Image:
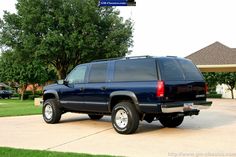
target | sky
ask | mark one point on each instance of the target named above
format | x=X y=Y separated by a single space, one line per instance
x=175 y=27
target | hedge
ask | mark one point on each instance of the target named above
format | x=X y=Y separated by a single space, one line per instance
x=213 y=95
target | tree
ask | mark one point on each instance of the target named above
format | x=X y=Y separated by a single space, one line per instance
x=65 y=33
x=211 y=79
x=24 y=73
x=229 y=79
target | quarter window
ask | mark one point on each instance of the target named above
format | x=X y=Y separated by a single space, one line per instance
x=135 y=70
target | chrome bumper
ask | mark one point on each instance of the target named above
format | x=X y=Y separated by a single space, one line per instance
x=182 y=107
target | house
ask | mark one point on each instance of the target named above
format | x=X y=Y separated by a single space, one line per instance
x=216 y=58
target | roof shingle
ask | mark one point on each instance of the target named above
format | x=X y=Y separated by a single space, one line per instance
x=214 y=54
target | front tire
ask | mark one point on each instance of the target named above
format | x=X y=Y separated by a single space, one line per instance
x=171 y=121
x=95 y=116
x=125 y=118
x=51 y=111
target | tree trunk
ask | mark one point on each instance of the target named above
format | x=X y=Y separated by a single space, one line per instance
x=232 y=93
x=24 y=86
x=34 y=89
x=22 y=96
x=61 y=72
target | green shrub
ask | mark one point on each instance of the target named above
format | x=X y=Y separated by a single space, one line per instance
x=213 y=92
x=15 y=95
x=28 y=92
x=31 y=97
x=40 y=92
x=213 y=95
x=26 y=96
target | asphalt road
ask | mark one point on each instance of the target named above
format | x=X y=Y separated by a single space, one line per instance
x=212 y=133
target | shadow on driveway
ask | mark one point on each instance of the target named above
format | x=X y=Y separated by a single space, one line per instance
x=205 y=120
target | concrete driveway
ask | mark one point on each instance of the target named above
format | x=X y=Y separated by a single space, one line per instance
x=212 y=133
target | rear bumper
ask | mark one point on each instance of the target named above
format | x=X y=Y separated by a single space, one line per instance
x=184 y=106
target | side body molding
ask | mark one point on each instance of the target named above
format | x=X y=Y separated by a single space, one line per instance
x=125 y=93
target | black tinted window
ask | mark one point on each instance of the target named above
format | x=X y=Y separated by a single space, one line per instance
x=98 y=72
x=190 y=70
x=171 y=70
x=135 y=70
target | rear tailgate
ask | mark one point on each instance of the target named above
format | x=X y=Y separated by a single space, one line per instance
x=183 y=81
x=184 y=90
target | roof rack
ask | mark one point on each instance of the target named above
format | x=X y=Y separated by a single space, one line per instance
x=120 y=58
x=172 y=56
x=100 y=60
x=137 y=57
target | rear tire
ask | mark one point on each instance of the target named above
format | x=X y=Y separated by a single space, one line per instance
x=95 y=116
x=125 y=118
x=51 y=111
x=171 y=121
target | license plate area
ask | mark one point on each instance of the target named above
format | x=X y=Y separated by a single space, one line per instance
x=189 y=106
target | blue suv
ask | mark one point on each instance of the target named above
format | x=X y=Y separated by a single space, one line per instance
x=129 y=89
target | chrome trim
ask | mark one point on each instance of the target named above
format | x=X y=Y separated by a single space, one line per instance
x=83 y=102
x=71 y=102
x=182 y=108
x=93 y=102
x=149 y=105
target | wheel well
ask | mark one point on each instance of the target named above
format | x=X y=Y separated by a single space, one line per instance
x=116 y=99
x=48 y=96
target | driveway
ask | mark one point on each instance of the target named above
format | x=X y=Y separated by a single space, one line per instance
x=212 y=133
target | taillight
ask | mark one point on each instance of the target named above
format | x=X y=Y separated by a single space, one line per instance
x=160 y=90
x=206 y=87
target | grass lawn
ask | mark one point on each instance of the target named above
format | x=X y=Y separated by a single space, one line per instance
x=12 y=152
x=10 y=107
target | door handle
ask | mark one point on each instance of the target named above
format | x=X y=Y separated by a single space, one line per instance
x=81 y=88
x=103 y=88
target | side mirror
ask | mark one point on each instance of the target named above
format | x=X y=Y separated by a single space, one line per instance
x=65 y=82
x=60 y=81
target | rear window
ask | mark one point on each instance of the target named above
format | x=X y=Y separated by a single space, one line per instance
x=171 y=70
x=178 y=70
x=190 y=70
x=135 y=70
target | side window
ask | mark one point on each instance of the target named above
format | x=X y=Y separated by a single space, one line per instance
x=98 y=72
x=135 y=70
x=77 y=75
